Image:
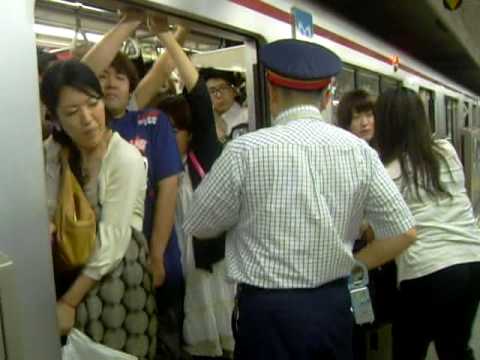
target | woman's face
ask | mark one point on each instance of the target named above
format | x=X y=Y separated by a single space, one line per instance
x=363 y=124
x=82 y=117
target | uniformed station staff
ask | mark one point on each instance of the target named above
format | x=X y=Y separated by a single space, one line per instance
x=291 y=198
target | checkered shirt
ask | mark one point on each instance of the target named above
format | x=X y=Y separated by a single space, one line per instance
x=292 y=198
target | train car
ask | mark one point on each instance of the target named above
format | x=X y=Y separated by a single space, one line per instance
x=223 y=33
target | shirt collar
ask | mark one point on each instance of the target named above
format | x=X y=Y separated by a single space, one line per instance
x=296 y=113
x=233 y=114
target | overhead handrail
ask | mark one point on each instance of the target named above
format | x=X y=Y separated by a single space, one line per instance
x=78 y=28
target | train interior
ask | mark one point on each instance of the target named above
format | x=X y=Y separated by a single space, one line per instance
x=66 y=28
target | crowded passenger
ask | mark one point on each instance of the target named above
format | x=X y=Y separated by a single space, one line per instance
x=150 y=131
x=44 y=60
x=291 y=199
x=231 y=118
x=438 y=275
x=355 y=113
x=92 y=170
x=209 y=297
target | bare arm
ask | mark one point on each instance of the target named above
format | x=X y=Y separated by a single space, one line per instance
x=159 y=73
x=162 y=225
x=70 y=300
x=185 y=67
x=75 y=294
x=378 y=252
x=102 y=54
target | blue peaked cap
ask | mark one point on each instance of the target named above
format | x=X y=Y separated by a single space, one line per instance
x=300 y=60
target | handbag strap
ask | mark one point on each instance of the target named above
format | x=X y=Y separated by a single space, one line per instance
x=196 y=164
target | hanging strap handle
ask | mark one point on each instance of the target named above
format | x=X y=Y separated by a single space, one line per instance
x=196 y=164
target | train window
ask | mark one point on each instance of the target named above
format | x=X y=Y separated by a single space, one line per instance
x=369 y=81
x=387 y=83
x=344 y=82
x=451 y=108
x=428 y=99
x=466 y=115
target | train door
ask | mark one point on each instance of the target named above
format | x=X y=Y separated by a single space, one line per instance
x=26 y=281
x=344 y=82
x=208 y=45
x=428 y=99
x=474 y=115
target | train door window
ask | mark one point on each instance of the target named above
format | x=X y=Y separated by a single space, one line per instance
x=368 y=81
x=428 y=99
x=387 y=83
x=344 y=82
x=207 y=45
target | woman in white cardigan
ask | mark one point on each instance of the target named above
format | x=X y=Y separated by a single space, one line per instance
x=109 y=298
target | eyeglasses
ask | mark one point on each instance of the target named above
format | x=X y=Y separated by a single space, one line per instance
x=219 y=90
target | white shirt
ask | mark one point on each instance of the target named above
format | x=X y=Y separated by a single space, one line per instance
x=121 y=193
x=446 y=231
x=292 y=198
x=235 y=116
x=184 y=199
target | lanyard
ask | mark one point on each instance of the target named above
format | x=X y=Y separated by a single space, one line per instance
x=196 y=164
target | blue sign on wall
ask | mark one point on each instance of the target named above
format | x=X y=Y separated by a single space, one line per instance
x=302 y=25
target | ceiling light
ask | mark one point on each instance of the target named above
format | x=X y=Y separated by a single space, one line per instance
x=63 y=32
x=77 y=5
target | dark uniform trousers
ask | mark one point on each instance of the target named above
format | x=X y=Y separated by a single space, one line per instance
x=293 y=324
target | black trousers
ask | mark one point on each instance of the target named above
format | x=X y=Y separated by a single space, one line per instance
x=439 y=307
x=296 y=324
x=169 y=298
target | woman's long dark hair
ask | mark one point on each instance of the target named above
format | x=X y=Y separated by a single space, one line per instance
x=79 y=76
x=402 y=132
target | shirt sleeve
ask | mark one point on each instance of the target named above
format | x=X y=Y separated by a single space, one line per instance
x=385 y=207
x=166 y=157
x=216 y=202
x=121 y=192
x=204 y=141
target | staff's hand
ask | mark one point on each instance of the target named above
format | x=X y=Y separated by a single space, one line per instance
x=65 y=317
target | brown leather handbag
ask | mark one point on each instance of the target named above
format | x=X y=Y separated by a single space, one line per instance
x=75 y=222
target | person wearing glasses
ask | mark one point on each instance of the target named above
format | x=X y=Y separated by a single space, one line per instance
x=231 y=118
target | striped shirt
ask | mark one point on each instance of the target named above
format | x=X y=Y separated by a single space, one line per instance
x=292 y=198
